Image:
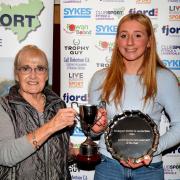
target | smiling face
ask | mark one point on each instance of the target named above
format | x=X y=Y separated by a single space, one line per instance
x=31 y=72
x=132 y=41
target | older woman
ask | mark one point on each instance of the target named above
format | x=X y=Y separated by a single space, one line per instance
x=34 y=123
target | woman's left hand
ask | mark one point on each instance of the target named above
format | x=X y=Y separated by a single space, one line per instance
x=101 y=124
x=142 y=162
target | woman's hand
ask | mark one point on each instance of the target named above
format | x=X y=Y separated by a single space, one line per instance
x=64 y=117
x=142 y=162
x=101 y=124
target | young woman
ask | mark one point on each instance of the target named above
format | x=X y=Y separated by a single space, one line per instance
x=136 y=80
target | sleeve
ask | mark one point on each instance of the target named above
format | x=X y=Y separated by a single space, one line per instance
x=12 y=150
x=94 y=91
x=170 y=99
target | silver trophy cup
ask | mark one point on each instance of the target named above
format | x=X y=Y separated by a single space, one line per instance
x=88 y=115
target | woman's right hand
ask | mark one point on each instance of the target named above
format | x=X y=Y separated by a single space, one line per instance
x=101 y=124
x=146 y=160
x=64 y=117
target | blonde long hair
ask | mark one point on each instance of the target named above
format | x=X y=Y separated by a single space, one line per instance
x=114 y=80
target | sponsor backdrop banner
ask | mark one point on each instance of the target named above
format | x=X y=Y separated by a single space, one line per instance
x=23 y=22
x=88 y=30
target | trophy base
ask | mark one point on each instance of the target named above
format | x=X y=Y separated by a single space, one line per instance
x=88 y=156
x=87 y=162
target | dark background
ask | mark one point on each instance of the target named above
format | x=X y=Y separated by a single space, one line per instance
x=56 y=51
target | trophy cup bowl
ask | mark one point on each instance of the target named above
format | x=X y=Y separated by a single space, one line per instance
x=88 y=155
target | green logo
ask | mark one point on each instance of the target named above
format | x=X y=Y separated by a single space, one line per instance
x=21 y=19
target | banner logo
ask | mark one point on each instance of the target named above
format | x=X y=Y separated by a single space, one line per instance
x=171 y=31
x=152 y=13
x=105 y=64
x=106 y=29
x=143 y=1
x=174 y=13
x=170 y=50
x=21 y=19
x=76 y=48
x=110 y=14
x=76 y=63
x=74 y=97
x=172 y=64
x=104 y=45
x=174 y=1
x=77 y=12
x=76 y=80
x=80 y=29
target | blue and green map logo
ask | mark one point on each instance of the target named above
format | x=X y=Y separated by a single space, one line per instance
x=21 y=19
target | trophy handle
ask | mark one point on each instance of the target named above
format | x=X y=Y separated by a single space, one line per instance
x=77 y=116
x=73 y=105
x=76 y=103
x=102 y=104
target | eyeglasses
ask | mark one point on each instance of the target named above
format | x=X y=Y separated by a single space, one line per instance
x=28 y=69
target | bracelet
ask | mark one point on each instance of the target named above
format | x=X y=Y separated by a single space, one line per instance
x=35 y=143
